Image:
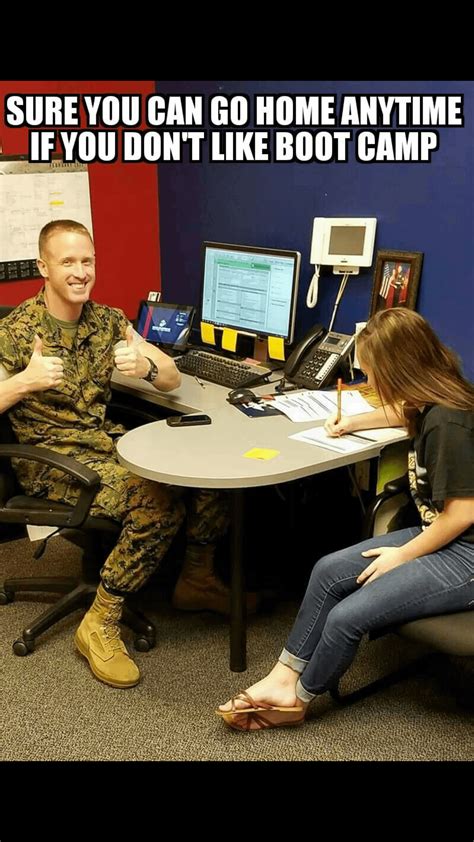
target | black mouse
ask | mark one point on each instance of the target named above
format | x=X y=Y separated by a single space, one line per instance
x=241 y=396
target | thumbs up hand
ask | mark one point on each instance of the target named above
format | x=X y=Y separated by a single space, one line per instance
x=42 y=372
x=128 y=359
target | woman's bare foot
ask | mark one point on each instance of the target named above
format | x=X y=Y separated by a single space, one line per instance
x=277 y=689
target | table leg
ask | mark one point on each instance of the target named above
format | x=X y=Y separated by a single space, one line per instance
x=238 y=627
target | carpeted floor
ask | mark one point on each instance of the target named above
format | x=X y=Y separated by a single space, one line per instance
x=53 y=708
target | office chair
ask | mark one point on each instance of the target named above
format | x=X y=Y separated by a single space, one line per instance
x=449 y=637
x=95 y=535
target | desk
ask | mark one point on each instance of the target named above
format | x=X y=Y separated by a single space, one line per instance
x=212 y=457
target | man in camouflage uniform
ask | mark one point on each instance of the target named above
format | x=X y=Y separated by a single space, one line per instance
x=59 y=350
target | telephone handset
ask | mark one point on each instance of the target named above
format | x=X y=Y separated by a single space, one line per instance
x=315 y=360
x=312 y=337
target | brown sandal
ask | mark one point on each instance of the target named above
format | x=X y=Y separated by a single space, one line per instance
x=254 y=714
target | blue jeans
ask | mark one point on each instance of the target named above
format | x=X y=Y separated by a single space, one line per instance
x=336 y=612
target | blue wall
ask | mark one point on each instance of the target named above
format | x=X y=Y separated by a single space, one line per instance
x=419 y=207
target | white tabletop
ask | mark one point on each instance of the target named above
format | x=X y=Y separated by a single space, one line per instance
x=213 y=456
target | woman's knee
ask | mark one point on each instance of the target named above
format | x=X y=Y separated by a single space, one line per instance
x=337 y=571
x=322 y=574
x=329 y=564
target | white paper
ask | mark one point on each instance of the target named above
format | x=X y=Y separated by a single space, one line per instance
x=352 y=442
x=317 y=405
x=29 y=199
x=39 y=533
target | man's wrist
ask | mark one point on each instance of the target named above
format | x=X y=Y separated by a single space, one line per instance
x=152 y=373
x=23 y=387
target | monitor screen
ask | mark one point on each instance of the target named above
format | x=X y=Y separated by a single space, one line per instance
x=346 y=240
x=250 y=289
x=343 y=241
x=166 y=325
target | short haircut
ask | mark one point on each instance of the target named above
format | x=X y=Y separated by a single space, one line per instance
x=56 y=225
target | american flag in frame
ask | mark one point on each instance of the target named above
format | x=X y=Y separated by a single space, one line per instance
x=396 y=279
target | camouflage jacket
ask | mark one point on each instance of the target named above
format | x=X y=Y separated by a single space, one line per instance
x=71 y=418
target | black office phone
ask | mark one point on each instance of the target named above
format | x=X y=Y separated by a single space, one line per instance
x=316 y=359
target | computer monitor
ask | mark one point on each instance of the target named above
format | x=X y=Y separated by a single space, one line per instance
x=252 y=290
x=166 y=325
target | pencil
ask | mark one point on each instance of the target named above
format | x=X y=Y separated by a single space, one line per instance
x=339 y=399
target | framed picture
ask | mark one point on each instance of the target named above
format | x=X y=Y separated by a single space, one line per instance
x=396 y=280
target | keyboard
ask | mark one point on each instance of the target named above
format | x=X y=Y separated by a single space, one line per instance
x=221 y=370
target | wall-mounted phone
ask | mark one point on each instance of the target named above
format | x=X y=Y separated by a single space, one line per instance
x=315 y=361
x=346 y=243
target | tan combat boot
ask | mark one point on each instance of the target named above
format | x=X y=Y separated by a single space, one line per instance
x=199 y=589
x=98 y=639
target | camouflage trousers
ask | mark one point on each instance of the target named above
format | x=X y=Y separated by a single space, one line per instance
x=151 y=514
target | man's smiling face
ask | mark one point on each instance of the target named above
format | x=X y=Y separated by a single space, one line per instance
x=68 y=267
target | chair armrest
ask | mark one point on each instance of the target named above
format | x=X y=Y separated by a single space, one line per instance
x=89 y=480
x=396 y=486
x=45 y=456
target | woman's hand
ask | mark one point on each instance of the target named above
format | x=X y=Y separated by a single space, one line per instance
x=387 y=559
x=334 y=427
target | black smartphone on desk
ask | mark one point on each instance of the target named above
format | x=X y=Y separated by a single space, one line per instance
x=187 y=420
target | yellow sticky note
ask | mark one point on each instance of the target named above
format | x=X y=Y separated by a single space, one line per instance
x=261 y=453
x=229 y=339
x=207 y=333
x=276 y=348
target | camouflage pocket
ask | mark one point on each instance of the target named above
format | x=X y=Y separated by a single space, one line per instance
x=101 y=368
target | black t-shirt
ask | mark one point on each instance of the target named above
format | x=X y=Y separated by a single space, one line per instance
x=441 y=465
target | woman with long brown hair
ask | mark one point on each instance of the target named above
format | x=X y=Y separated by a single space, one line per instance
x=419 y=571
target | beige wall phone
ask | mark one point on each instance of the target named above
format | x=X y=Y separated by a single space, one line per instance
x=346 y=244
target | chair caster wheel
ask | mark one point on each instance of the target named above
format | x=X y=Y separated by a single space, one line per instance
x=142 y=644
x=21 y=648
x=6 y=597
